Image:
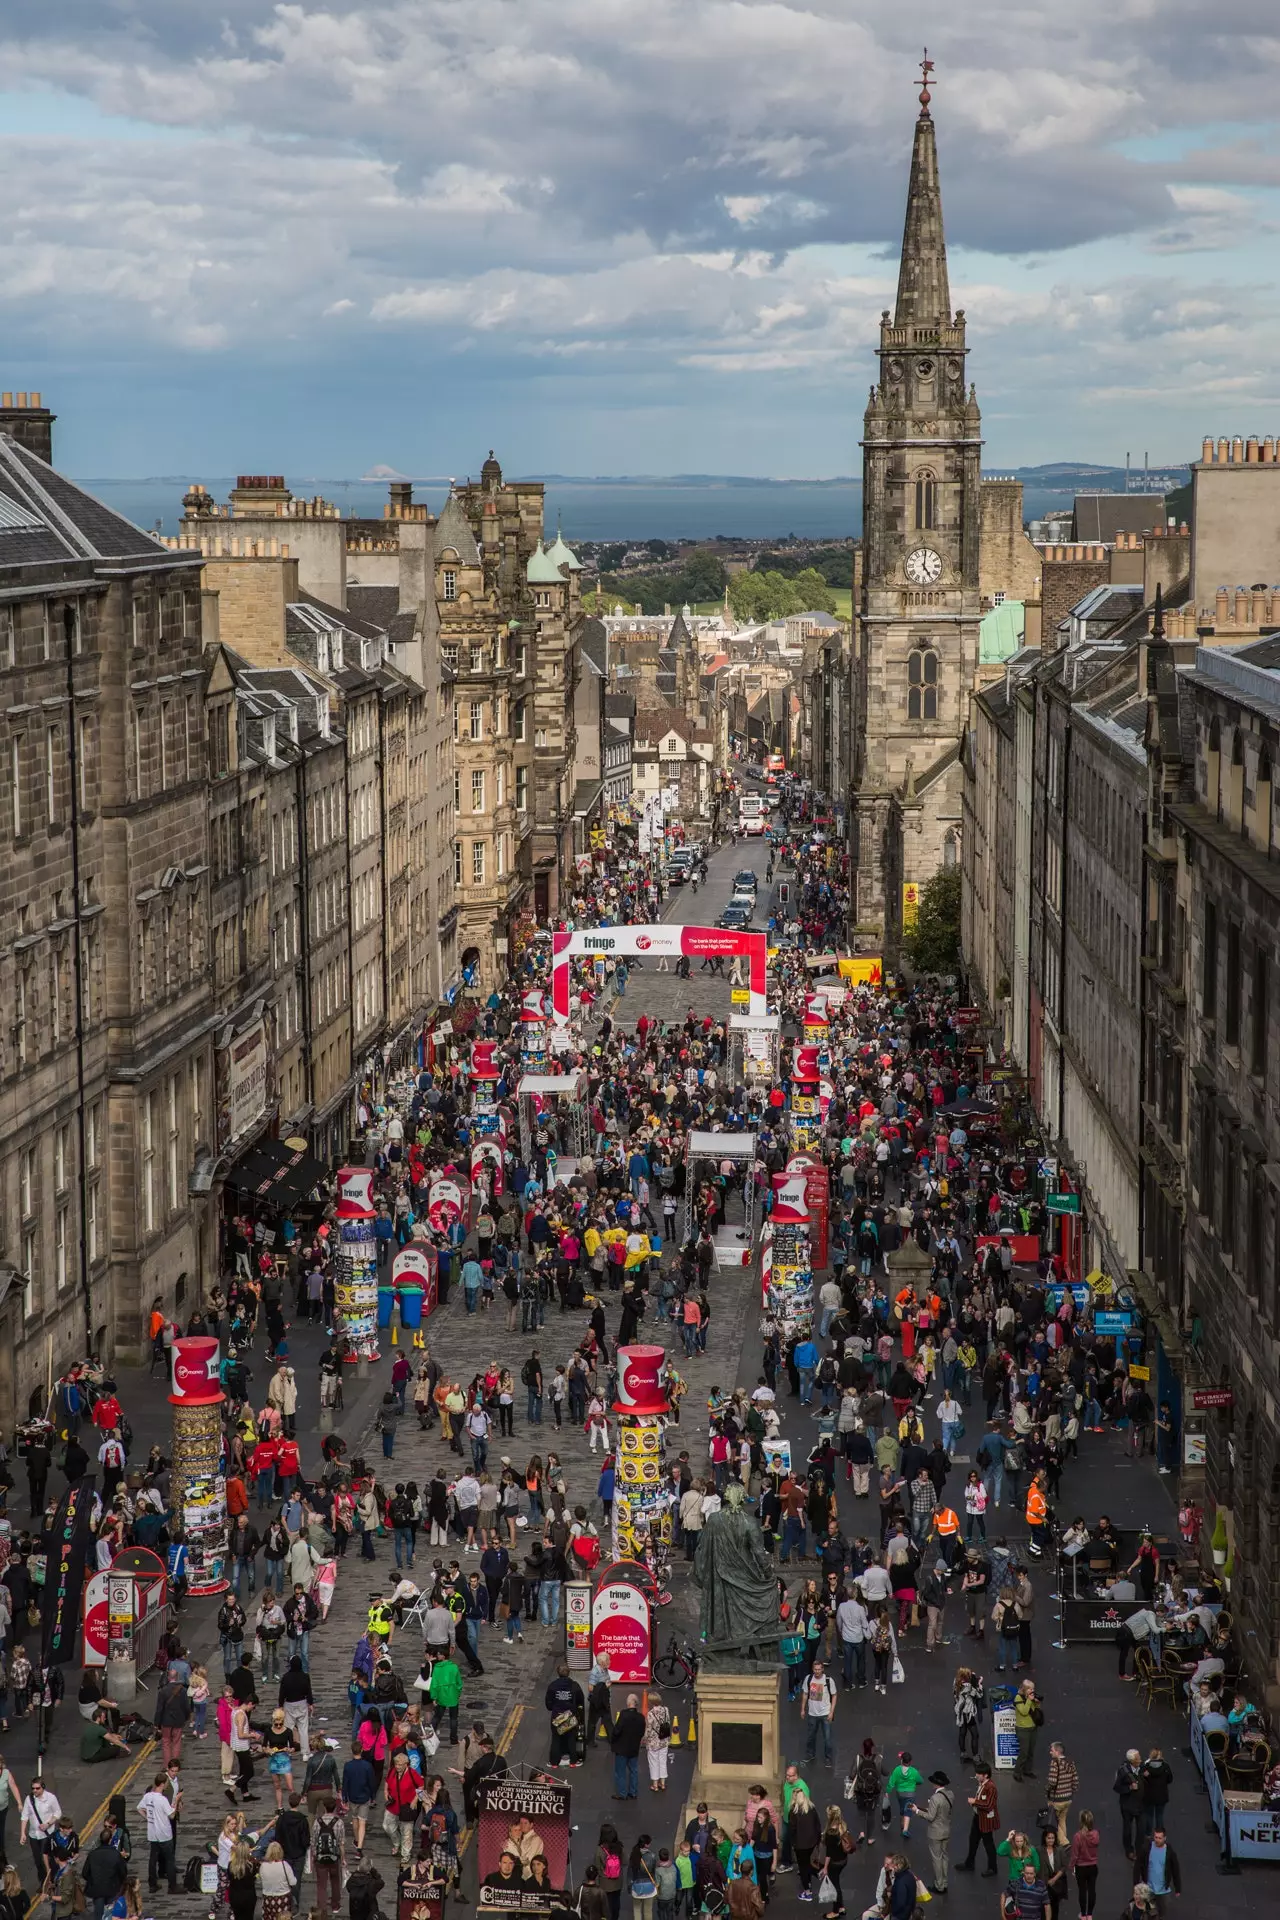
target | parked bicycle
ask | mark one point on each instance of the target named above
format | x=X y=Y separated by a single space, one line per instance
x=678 y=1666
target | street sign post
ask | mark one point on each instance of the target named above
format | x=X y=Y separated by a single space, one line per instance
x=1062 y=1202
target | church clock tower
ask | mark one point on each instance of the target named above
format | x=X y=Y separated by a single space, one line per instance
x=919 y=613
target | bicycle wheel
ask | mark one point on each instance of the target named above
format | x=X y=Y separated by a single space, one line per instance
x=671 y=1671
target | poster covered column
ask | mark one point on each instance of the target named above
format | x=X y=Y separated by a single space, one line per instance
x=355 y=1291
x=198 y=1489
x=643 y=1499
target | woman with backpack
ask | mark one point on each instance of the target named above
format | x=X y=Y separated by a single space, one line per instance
x=884 y=1648
x=866 y=1786
x=608 y=1865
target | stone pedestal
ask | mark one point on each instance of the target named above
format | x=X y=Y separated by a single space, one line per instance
x=739 y=1743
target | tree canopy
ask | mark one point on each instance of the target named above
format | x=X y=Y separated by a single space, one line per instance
x=934 y=947
x=771 y=595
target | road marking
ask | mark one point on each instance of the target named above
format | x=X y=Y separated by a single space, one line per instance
x=99 y=1812
x=505 y=1738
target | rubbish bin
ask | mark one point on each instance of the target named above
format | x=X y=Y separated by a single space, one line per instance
x=386 y=1303
x=410 y=1307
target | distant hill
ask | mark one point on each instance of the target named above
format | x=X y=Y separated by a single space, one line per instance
x=1069 y=477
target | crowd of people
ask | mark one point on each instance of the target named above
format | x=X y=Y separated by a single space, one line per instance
x=886 y=1545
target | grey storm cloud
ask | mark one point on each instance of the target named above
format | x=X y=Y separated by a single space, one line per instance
x=623 y=186
x=608 y=117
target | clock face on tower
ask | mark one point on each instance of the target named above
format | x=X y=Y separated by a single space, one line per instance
x=922 y=566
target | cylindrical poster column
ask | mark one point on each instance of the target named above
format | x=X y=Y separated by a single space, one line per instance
x=198 y=1487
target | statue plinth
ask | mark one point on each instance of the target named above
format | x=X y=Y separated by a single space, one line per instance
x=739 y=1743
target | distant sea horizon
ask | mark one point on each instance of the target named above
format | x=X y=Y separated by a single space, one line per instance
x=613 y=507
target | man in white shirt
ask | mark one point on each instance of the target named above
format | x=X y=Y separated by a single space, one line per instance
x=41 y=1811
x=829 y=1299
x=817 y=1709
x=157 y=1809
x=853 y=1623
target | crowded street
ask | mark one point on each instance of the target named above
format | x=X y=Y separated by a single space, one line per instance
x=938 y=1438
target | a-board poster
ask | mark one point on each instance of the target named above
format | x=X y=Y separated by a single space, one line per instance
x=530 y=1818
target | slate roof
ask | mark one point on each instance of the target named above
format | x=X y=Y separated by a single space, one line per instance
x=377 y=604
x=46 y=517
x=1101 y=516
x=453 y=529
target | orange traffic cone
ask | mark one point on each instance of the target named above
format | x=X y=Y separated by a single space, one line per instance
x=675 y=1740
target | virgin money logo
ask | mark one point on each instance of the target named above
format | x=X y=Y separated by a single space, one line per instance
x=643 y=942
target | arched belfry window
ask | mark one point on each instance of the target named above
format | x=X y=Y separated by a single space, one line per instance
x=922 y=684
x=926 y=501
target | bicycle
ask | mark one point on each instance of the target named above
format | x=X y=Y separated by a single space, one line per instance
x=678 y=1666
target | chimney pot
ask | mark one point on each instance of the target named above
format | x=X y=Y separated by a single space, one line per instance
x=1206 y=453
x=1251 y=451
x=6 y=399
x=35 y=399
x=22 y=399
x=1222 y=453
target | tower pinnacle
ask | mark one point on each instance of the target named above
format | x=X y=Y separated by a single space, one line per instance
x=924 y=293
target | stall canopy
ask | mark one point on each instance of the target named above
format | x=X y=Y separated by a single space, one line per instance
x=723 y=1146
x=273 y=1174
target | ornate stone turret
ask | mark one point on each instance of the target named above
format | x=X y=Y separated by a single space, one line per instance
x=924 y=295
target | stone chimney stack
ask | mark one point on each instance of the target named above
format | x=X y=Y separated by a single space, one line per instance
x=25 y=420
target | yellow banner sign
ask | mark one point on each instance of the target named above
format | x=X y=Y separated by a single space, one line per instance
x=1139 y=1373
x=741 y=996
x=910 y=905
x=862 y=973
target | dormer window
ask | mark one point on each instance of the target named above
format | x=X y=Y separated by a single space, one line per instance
x=269 y=738
x=337 y=653
x=322 y=652
x=450 y=583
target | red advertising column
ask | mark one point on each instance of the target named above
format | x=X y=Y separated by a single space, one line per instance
x=198 y=1487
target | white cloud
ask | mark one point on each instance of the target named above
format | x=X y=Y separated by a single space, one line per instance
x=707 y=185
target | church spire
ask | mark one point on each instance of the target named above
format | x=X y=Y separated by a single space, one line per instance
x=924 y=295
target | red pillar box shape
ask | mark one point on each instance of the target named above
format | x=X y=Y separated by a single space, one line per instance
x=193 y=1362
x=640 y=1388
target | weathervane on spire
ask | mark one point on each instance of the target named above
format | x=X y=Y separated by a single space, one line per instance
x=926 y=69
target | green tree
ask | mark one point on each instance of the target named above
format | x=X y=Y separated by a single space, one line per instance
x=934 y=947
x=814 y=593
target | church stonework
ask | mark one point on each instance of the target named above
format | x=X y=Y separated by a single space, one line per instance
x=920 y=607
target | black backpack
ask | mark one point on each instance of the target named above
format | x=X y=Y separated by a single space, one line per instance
x=866 y=1781
x=326 y=1844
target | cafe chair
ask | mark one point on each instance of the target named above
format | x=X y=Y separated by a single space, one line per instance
x=1216 y=1742
x=1248 y=1770
x=1151 y=1681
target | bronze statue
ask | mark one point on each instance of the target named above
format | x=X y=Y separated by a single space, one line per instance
x=739 y=1617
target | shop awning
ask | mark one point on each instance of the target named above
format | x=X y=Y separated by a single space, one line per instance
x=273 y=1174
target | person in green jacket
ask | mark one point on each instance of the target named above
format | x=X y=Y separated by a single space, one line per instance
x=1018 y=1850
x=444 y=1694
x=904 y=1783
x=791 y=1781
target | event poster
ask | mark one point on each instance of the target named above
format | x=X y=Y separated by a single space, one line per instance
x=527 y=1818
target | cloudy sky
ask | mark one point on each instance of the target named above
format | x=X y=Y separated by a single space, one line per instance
x=625 y=236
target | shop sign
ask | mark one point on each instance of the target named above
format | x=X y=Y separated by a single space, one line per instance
x=1112 y=1322
x=243 y=1082
x=1206 y=1397
x=620 y=1628
x=1062 y=1202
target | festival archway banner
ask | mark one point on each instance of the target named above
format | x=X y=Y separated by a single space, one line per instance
x=669 y=939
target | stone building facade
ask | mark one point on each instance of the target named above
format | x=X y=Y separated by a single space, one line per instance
x=106 y=1054
x=920 y=605
x=1220 y=913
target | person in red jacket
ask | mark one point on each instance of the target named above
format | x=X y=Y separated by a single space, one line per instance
x=262 y=1465
x=402 y=1801
x=288 y=1465
x=986 y=1818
